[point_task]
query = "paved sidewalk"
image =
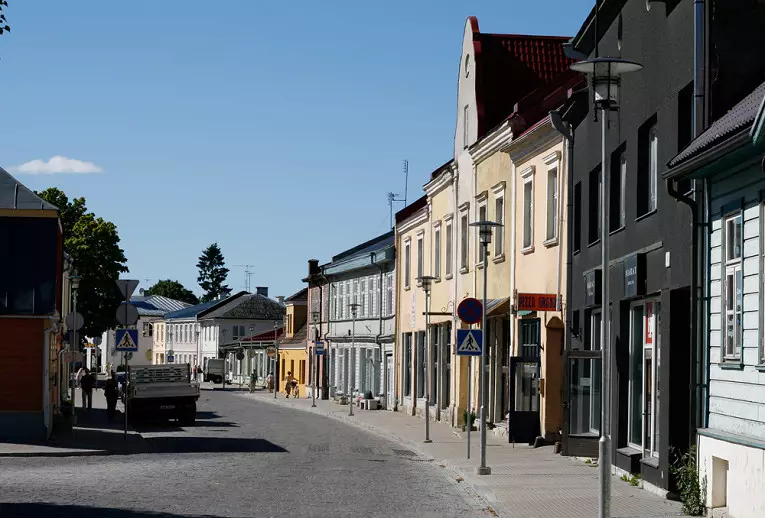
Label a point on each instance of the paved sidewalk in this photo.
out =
(524, 481)
(92, 435)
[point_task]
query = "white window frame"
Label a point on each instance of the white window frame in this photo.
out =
(449, 245)
(390, 299)
(363, 296)
(420, 255)
(552, 199)
(733, 270)
(437, 250)
(622, 189)
(465, 119)
(407, 263)
(499, 217)
(527, 176)
(653, 348)
(464, 233)
(653, 168)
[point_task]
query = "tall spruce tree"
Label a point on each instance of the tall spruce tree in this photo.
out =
(212, 273)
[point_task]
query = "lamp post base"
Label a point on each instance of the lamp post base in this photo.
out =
(427, 441)
(486, 470)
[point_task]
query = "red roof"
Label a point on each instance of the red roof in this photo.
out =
(268, 336)
(510, 66)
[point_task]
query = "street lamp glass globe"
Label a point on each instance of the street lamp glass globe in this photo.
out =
(485, 230)
(605, 75)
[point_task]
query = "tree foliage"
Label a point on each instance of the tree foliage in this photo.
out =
(4, 27)
(173, 290)
(212, 272)
(93, 245)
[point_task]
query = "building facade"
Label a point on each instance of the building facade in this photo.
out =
(728, 158)
(31, 291)
(295, 351)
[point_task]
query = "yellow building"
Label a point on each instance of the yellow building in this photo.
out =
(293, 348)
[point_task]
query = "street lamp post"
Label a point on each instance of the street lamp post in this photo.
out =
(315, 359)
(196, 358)
(225, 359)
(75, 283)
(485, 229)
(250, 355)
(354, 309)
(276, 359)
(426, 281)
(605, 78)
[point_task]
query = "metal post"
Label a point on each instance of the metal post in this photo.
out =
(427, 364)
(315, 369)
(276, 359)
(127, 384)
(350, 354)
(604, 444)
(468, 424)
(74, 350)
(482, 378)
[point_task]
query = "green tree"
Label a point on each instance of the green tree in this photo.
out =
(212, 272)
(172, 290)
(4, 27)
(93, 245)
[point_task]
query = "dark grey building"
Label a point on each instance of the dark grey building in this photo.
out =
(653, 232)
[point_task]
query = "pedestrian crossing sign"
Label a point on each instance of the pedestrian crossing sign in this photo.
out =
(126, 339)
(469, 342)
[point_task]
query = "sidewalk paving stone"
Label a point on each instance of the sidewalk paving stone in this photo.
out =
(525, 481)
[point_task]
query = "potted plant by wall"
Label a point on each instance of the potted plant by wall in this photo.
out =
(465, 420)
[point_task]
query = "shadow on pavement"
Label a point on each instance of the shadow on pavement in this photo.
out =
(26, 510)
(211, 445)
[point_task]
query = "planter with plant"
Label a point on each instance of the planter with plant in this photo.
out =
(692, 489)
(471, 419)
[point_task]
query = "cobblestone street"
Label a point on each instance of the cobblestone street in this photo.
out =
(243, 458)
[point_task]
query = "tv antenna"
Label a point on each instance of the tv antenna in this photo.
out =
(247, 274)
(392, 196)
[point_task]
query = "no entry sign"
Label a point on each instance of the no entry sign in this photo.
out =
(470, 311)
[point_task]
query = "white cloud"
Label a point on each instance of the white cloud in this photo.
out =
(57, 164)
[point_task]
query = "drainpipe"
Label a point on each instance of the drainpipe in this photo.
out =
(706, 321)
(513, 315)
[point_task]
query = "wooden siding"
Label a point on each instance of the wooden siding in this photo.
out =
(21, 364)
(737, 395)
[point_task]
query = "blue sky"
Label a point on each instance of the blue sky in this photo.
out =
(273, 128)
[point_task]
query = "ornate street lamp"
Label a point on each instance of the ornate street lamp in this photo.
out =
(426, 281)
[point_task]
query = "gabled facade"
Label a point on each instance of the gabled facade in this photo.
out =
(728, 158)
(295, 352)
(31, 285)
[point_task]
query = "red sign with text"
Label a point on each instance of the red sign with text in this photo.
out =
(537, 302)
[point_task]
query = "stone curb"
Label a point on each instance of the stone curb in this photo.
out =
(483, 491)
(53, 454)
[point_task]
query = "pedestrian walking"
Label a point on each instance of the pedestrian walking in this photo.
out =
(290, 385)
(112, 393)
(87, 381)
(270, 381)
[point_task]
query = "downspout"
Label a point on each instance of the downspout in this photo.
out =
(558, 304)
(564, 128)
(697, 202)
(513, 314)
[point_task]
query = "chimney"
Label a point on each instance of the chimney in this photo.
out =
(313, 266)
(280, 299)
(262, 290)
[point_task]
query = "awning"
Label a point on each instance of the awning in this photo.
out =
(497, 306)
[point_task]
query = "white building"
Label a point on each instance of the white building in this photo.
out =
(151, 309)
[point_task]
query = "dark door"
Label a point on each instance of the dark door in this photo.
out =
(523, 416)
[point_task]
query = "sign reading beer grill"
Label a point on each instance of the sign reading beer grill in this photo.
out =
(536, 302)
(634, 275)
(592, 291)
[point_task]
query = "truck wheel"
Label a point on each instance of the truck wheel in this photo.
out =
(188, 416)
(218, 379)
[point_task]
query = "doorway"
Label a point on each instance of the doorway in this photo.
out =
(523, 415)
(390, 381)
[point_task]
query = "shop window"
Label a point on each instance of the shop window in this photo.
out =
(643, 377)
(585, 382)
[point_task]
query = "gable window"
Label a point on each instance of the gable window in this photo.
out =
(407, 263)
(733, 287)
(596, 204)
(464, 242)
(437, 251)
(528, 208)
(465, 126)
(552, 203)
(448, 248)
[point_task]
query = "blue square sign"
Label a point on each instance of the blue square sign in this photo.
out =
(126, 340)
(469, 342)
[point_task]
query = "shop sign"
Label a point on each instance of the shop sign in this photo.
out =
(634, 275)
(592, 290)
(537, 302)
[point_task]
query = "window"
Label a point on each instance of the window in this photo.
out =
(420, 254)
(596, 204)
(301, 377)
(407, 264)
(375, 293)
(733, 287)
(481, 251)
(437, 252)
(653, 168)
(389, 295)
(552, 203)
(238, 332)
(596, 325)
(499, 232)
(364, 298)
(643, 374)
(618, 168)
(407, 364)
(464, 242)
(577, 217)
(420, 364)
(465, 126)
(528, 210)
(449, 248)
